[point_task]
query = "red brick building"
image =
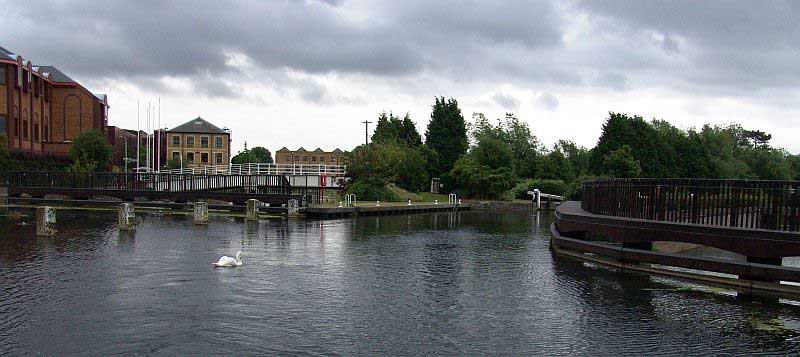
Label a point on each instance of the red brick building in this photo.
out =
(42, 109)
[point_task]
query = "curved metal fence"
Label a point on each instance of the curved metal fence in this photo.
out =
(772, 205)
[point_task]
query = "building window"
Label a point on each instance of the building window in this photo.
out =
(288, 159)
(46, 134)
(314, 158)
(190, 157)
(333, 159)
(305, 158)
(36, 131)
(204, 157)
(24, 129)
(190, 141)
(176, 140)
(203, 141)
(322, 159)
(218, 158)
(2, 75)
(176, 155)
(3, 124)
(218, 142)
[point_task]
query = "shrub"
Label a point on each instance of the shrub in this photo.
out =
(371, 189)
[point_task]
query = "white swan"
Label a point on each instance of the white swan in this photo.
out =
(226, 261)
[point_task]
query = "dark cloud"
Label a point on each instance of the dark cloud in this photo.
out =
(731, 46)
(722, 48)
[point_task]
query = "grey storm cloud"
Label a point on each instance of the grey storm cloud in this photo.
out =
(731, 46)
(728, 44)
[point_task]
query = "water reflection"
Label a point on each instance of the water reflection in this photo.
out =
(438, 283)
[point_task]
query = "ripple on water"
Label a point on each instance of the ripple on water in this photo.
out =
(440, 283)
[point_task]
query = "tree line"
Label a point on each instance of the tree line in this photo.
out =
(503, 158)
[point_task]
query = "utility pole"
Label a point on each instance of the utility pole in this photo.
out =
(366, 132)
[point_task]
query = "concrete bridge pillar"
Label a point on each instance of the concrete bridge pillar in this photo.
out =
(293, 208)
(45, 221)
(126, 217)
(201, 213)
(252, 209)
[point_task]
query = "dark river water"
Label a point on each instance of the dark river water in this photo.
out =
(439, 283)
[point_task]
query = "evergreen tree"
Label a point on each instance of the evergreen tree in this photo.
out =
(394, 129)
(446, 135)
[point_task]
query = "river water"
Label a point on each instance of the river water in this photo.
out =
(438, 283)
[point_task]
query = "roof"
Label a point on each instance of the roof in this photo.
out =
(197, 125)
(302, 149)
(284, 149)
(337, 151)
(318, 151)
(56, 75)
(7, 55)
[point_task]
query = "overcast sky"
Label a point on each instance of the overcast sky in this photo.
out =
(308, 72)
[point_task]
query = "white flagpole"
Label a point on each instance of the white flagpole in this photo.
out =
(158, 155)
(147, 134)
(138, 130)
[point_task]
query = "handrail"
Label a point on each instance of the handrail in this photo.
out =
(151, 183)
(756, 204)
(264, 169)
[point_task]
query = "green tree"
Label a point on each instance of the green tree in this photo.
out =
(516, 134)
(389, 162)
(620, 163)
(446, 135)
(394, 129)
(90, 151)
(556, 166)
(258, 154)
(486, 171)
(656, 158)
(579, 157)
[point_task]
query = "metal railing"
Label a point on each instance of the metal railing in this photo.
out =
(772, 205)
(264, 169)
(142, 182)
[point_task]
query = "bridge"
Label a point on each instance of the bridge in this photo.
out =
(237, 188)
(618, 220)
(300, 175)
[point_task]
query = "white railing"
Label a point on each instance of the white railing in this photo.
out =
(264, 169)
